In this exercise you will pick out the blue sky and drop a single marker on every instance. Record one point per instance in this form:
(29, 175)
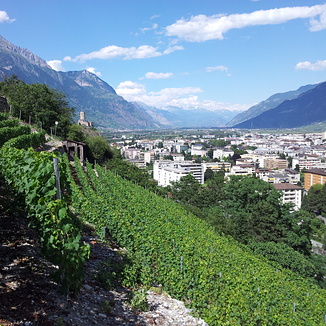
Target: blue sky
(212, 54)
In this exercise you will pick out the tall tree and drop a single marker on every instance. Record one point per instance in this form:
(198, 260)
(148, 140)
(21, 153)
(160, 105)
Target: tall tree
(46, 107)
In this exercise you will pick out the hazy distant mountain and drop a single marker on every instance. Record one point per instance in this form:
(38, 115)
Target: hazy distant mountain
(84, 90)
(195, 118)
(306, 109)
(270, 103)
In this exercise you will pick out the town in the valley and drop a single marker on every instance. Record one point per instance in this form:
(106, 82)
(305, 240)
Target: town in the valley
(292, 162)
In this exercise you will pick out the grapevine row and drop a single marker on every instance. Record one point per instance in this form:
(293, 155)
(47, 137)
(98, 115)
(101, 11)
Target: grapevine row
(31, 175)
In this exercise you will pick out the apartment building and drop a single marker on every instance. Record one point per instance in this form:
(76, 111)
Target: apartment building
(291, 194)
(198, 150)
(220, 153)
(164, 172)
(275, 163)
(241, 170)
(306, 161)
(314, 176)
(131, 153)
(217, 166)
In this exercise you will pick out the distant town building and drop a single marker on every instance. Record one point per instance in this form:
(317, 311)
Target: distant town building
(276, 163)
(314, 176)
(164, 172)
(217, 166)
(290, 194)
(198, 150)
(220, 153)
(83, 122)
(132, 153)
(244, 169)
(306, 161)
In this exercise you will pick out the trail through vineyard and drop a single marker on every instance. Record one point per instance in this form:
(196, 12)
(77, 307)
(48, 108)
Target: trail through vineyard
(29, 296)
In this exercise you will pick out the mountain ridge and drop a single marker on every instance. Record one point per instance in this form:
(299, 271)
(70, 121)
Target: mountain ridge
(268, 104)
(308, 108)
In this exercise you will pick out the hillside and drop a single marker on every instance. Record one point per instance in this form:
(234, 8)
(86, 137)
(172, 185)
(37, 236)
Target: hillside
(28, 294)
(272, 102)
(308, 108)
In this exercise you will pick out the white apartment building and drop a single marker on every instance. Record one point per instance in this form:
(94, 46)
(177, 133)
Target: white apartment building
(220, 153)
(217, 166)
(290, 194)
(131, 153)
(198, 150)
(241, 170)
(306, 162)
(164, 172)
(148, 157)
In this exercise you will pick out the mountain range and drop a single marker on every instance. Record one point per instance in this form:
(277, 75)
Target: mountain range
(307, 108)
(87, 92)
(271, 103)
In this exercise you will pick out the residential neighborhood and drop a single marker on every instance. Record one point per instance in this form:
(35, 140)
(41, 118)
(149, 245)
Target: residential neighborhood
(291, 162)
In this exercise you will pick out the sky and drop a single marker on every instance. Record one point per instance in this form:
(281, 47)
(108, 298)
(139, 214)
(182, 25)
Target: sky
(211, 54)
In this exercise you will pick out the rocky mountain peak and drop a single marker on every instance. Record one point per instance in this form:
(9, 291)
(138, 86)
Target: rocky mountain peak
(31, 57)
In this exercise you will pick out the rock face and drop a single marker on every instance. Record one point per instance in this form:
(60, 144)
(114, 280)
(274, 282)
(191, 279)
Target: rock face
(6, 45)
(85, 91)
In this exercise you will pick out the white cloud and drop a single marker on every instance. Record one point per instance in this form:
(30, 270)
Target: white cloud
(130, 90)
(318, 24)
(154, 17)
(113, 51)
(220, 68)
(185, 97)
(4, 18)
(154, 26)
(55, 65)
(173, 48)
(92, 70)
(306, 65)
(117, 52)
(159, 75)
(203, 28)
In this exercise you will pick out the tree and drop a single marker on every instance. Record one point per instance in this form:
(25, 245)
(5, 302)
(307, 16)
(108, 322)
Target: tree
(168, 157)
(98, 149)
(39, 104)
(315, 200)
(254, 208)
(219, 142)
(282, 156)
(75, 132)
(209, 174)
(286, 257)
(186, 190)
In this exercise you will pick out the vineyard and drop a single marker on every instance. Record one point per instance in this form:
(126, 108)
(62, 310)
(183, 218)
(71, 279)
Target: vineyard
(221, 280)
(218, 278)
(31, 176)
